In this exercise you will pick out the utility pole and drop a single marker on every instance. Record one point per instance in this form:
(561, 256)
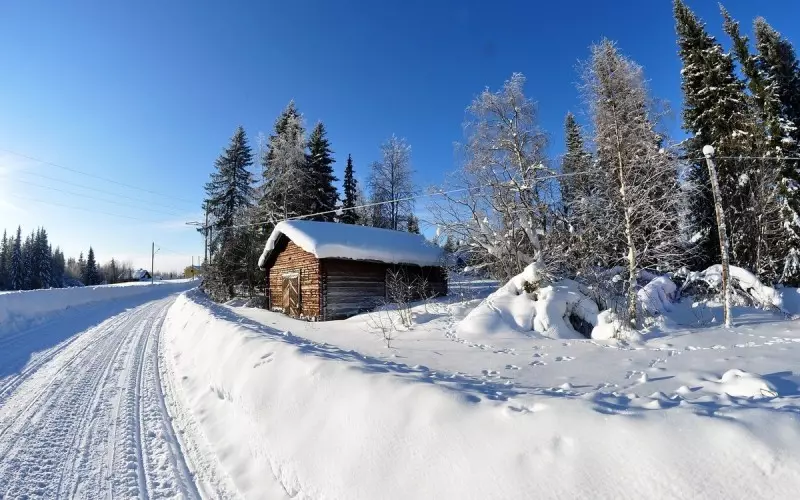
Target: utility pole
(153, 264)
(708, 152)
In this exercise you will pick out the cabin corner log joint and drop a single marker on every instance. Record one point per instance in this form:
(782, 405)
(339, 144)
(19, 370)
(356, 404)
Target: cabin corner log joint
(310, 276)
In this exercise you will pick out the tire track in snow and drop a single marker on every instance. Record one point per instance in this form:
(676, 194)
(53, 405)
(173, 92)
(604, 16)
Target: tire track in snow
(88, 420)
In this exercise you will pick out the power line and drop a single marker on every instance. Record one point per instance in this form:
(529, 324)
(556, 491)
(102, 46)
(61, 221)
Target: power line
(91, 210)
(128, 205)
(461, 190)
(83, 186)
(397, 200)
(74, 170)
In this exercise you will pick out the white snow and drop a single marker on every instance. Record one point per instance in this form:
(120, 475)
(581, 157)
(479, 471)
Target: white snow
(348, 241)
(325, 410)
(545, 312)
(82, 410)
(19, 310)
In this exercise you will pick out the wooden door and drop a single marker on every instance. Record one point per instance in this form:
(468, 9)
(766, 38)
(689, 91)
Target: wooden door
(291, 294)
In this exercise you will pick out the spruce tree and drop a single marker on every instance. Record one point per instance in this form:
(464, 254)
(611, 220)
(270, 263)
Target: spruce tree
(576, 182)
(715, 112)
(45, 259)
(17, 274)
(319, 162)
(287, 183)
(230, 190)
(28, 263)
(59, 268)
(91, 276)
(350, 188)
(229, 198)
(81, 268)
(4, 253)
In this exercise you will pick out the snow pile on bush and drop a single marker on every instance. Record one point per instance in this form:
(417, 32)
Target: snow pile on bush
(23, 309)
(656, 296)
(747, 289)
(556, 311)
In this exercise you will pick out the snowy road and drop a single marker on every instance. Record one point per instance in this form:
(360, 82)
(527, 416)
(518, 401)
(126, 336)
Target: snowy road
(86, 417)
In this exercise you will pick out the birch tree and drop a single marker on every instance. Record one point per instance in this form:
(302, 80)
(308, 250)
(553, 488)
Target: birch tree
(391, 183)
(501, 210)
(639, 195)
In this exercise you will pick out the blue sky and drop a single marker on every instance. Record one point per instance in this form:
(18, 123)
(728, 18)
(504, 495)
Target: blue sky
(147, 93)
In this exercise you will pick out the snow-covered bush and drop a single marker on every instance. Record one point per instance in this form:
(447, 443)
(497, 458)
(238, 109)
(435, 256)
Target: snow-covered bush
(564, 309)
(747, 289)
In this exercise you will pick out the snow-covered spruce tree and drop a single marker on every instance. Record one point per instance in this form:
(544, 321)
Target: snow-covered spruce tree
(716, 113)
(772, 181)
(391, 183)
(501, 212)
(350, 189)
(575, 183)
(319, 162)
(639, 175)
(229, 198)
(17, 274)
(287, 184)
(777, 62)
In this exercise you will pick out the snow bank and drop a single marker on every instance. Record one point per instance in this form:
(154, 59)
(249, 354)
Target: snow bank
(19, 310)
(545, 311)
(290, 418)
(348, 241)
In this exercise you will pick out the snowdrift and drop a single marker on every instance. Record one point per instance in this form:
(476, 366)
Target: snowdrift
(20, 310)
(290, 418)
(555, 311)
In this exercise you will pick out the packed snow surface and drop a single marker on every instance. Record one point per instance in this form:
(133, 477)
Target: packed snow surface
(82, 406)
(348, 241)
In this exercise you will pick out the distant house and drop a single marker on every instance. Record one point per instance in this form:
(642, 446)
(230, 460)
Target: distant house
(141, 275)
(326, 270)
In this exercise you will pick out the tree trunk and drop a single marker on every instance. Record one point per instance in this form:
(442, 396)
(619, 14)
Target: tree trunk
(723, 240)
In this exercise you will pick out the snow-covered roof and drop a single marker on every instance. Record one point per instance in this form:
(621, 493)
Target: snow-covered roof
(330, 240)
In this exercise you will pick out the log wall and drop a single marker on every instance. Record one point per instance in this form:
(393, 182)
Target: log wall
(291, 258)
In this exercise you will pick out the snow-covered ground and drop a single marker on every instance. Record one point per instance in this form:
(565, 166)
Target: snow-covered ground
(82, 412)
(325, 410)
(162, 395)
(22, 310)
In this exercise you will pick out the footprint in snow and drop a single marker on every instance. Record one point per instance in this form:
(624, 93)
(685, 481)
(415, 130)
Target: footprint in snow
(512, 367)
(564, 358)
(490, 373)
(537, 363)
(538, 355)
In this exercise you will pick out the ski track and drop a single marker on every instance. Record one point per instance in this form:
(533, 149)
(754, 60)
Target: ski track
(87, 418)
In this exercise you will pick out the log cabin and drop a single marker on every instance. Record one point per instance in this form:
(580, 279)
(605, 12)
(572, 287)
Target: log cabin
(324, 270)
